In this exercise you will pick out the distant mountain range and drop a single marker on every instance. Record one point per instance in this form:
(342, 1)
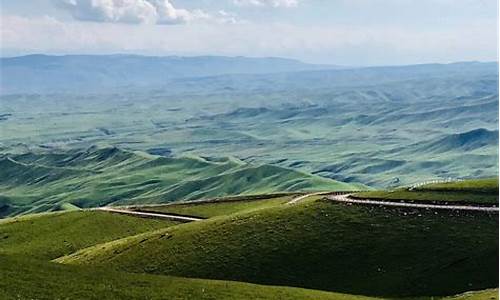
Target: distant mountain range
(116, 73)
(45, 73)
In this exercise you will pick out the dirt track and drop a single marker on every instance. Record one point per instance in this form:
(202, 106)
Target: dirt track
(150, 214)
(346, 199)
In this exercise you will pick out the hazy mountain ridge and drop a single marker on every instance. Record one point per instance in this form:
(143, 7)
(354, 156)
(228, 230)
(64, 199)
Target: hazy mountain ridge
(98, 73)
(44, 73)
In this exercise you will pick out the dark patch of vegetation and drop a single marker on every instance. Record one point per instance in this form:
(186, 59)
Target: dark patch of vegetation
(23, 278)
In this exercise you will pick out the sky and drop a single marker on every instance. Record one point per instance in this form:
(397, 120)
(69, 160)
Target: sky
(341, 32)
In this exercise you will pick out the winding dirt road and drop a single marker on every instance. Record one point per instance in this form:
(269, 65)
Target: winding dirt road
(345, 199)
(150, 214)
(338, 197)
(299, 198)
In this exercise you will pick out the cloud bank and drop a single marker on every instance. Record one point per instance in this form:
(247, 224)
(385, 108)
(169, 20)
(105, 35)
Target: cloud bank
(130, 11)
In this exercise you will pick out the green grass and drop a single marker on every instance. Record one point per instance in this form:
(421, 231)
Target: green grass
(320, 245)
(51, 235)
(479, 191)
(58, 180)
(410, 132)
(261, 241)
(486, 185)
(217, 208)
(489, 294)
(28, 243)
(23, 278)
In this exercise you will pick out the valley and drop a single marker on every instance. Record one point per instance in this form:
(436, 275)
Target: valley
(382, 126)
(65, 180)
(248, 178)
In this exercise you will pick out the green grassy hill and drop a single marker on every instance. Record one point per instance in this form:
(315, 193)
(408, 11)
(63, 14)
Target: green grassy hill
(28, 243)
(478, 191)
(52, 235)
(466, 141)
(430, 121)
(321, 245)
(219, 207)
(34, 279)
(347, 250)
(38, 182)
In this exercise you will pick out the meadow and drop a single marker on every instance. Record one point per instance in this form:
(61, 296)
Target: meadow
(74, 179)
(475, 191)
(297, 251)
(383, 127)
(398, 252)
(245, 136)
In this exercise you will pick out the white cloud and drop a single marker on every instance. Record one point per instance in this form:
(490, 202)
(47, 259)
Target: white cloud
(349, 45)
(228, 18)
(272, 3)
(130, 11)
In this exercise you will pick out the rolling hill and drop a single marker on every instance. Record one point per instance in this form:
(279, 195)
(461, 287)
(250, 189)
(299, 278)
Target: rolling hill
(20, 279)
(344, 250)
(470, 192)
(28, 243)
(49, 181)
(51, 235)
(462, 142)
(320, 245)
(382, 126)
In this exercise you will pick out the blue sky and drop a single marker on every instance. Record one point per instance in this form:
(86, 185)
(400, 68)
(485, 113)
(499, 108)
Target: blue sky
(344, 32)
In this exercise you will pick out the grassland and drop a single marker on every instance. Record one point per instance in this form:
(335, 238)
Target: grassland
(218, 208)
(248, 134)
(23, 278)
(320, 245)
(489, 294)
(399, 252)
(418, 127)
(48, 181)
(479, 191)
(51, 235)
(35, 279)
(486, 185)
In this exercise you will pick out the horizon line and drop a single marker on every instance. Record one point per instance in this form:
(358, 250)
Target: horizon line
(244, 56)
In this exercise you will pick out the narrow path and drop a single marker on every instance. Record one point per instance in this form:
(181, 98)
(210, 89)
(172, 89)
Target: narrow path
(300, 198)
(346, 199)
(150, 214)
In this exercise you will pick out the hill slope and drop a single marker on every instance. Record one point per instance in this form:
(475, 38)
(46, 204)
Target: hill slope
(477, 192)
(40, 182)
(51, 235)
(33, 279)
(321, 245)
(462, 142)
(28, 243)
(30, 279)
